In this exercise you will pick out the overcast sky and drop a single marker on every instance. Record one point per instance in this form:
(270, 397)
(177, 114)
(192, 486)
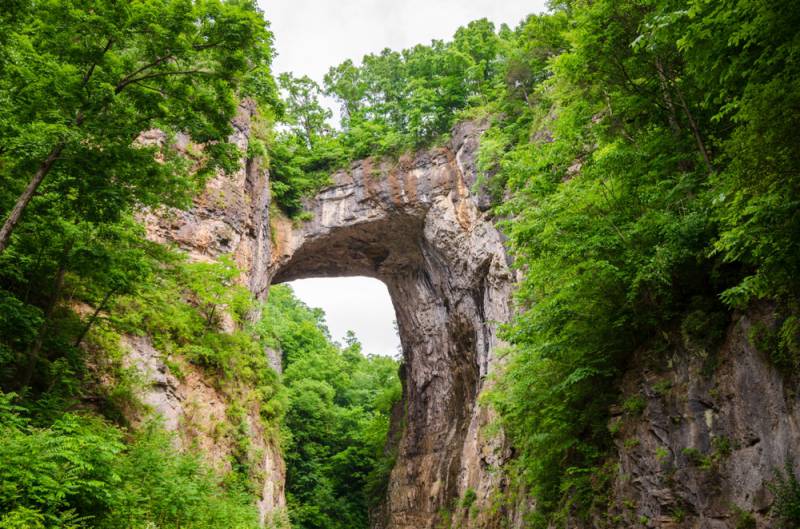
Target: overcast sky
(360, 304)
(311, 36)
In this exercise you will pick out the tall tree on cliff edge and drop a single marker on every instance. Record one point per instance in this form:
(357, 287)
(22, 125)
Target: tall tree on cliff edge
(80, 80)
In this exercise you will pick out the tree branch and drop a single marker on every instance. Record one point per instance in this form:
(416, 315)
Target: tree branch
(26, 196)
(123, 85)
(95, 314)
(153, 64)
(55, 293)
(88, 74)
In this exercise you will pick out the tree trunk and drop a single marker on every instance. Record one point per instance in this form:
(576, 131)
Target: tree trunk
(664, 82)
(701, 146)
(95, 314)
(26, 196)
(35, 349)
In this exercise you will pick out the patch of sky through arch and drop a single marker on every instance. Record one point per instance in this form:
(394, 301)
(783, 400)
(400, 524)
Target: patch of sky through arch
(313, 35)
(358, 304)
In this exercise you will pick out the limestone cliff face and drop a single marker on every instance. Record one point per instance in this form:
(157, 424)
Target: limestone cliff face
(703, 446)
(713, 429)
(229, 218)
(415, 225)
(199, 412)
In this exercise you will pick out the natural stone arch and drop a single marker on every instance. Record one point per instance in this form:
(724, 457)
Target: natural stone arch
(415, 225)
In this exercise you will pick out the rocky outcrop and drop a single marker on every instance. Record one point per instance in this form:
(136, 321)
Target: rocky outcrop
(200, 413)
(708, 434)
(414, 224)
(695, 449)
(230, 217)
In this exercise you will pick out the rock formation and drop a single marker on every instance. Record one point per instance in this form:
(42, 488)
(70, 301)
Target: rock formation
(415, 225)
(229, 217)
(713, 429)
(704, 446)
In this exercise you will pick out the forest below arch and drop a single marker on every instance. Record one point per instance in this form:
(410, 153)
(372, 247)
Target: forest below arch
(640, 155)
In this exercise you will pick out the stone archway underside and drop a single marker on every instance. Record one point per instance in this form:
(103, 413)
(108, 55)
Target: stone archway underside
(415, 225)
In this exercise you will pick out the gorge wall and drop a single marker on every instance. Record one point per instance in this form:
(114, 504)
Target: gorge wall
(229, 218)
(710, 431)
(698, 451)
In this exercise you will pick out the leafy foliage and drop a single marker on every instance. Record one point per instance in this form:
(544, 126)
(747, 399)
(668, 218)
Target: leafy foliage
(79, 472)
(80, 81)
(393, 102)
(641, 152)
(337, 421)
(68, 469)
(624, 155)
(786, 488)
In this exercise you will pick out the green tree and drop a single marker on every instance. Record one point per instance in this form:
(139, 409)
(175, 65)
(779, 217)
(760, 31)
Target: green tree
(78, 473)
(81, 80)
(344, 81)
(304, 114)
(301, 157)
(626, 145)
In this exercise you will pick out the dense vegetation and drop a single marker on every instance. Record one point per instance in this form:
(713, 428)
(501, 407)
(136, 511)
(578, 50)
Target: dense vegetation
(336, 426)
(79, 82)
(641, 152)
(71, 457)
(78, 471)
(665, 196)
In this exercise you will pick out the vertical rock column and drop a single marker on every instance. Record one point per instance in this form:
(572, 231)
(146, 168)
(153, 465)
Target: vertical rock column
(230, 217)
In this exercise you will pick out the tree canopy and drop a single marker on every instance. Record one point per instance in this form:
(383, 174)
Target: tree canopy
(641, 157)
(80, 81)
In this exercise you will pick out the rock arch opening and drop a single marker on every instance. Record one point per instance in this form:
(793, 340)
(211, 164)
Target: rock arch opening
(416, 224)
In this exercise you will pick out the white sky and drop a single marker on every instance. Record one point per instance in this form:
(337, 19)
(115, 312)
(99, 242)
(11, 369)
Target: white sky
(360, 304)
(313, 35)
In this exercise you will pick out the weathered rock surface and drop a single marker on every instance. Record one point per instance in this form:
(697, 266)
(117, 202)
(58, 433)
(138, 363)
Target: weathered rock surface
(708, 442)
(229, 218)
(416, 225)
(194, 408)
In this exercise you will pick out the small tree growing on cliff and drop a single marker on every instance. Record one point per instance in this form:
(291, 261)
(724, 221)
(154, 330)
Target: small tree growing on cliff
(215, 291)
(80, 80)
(786, 488)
